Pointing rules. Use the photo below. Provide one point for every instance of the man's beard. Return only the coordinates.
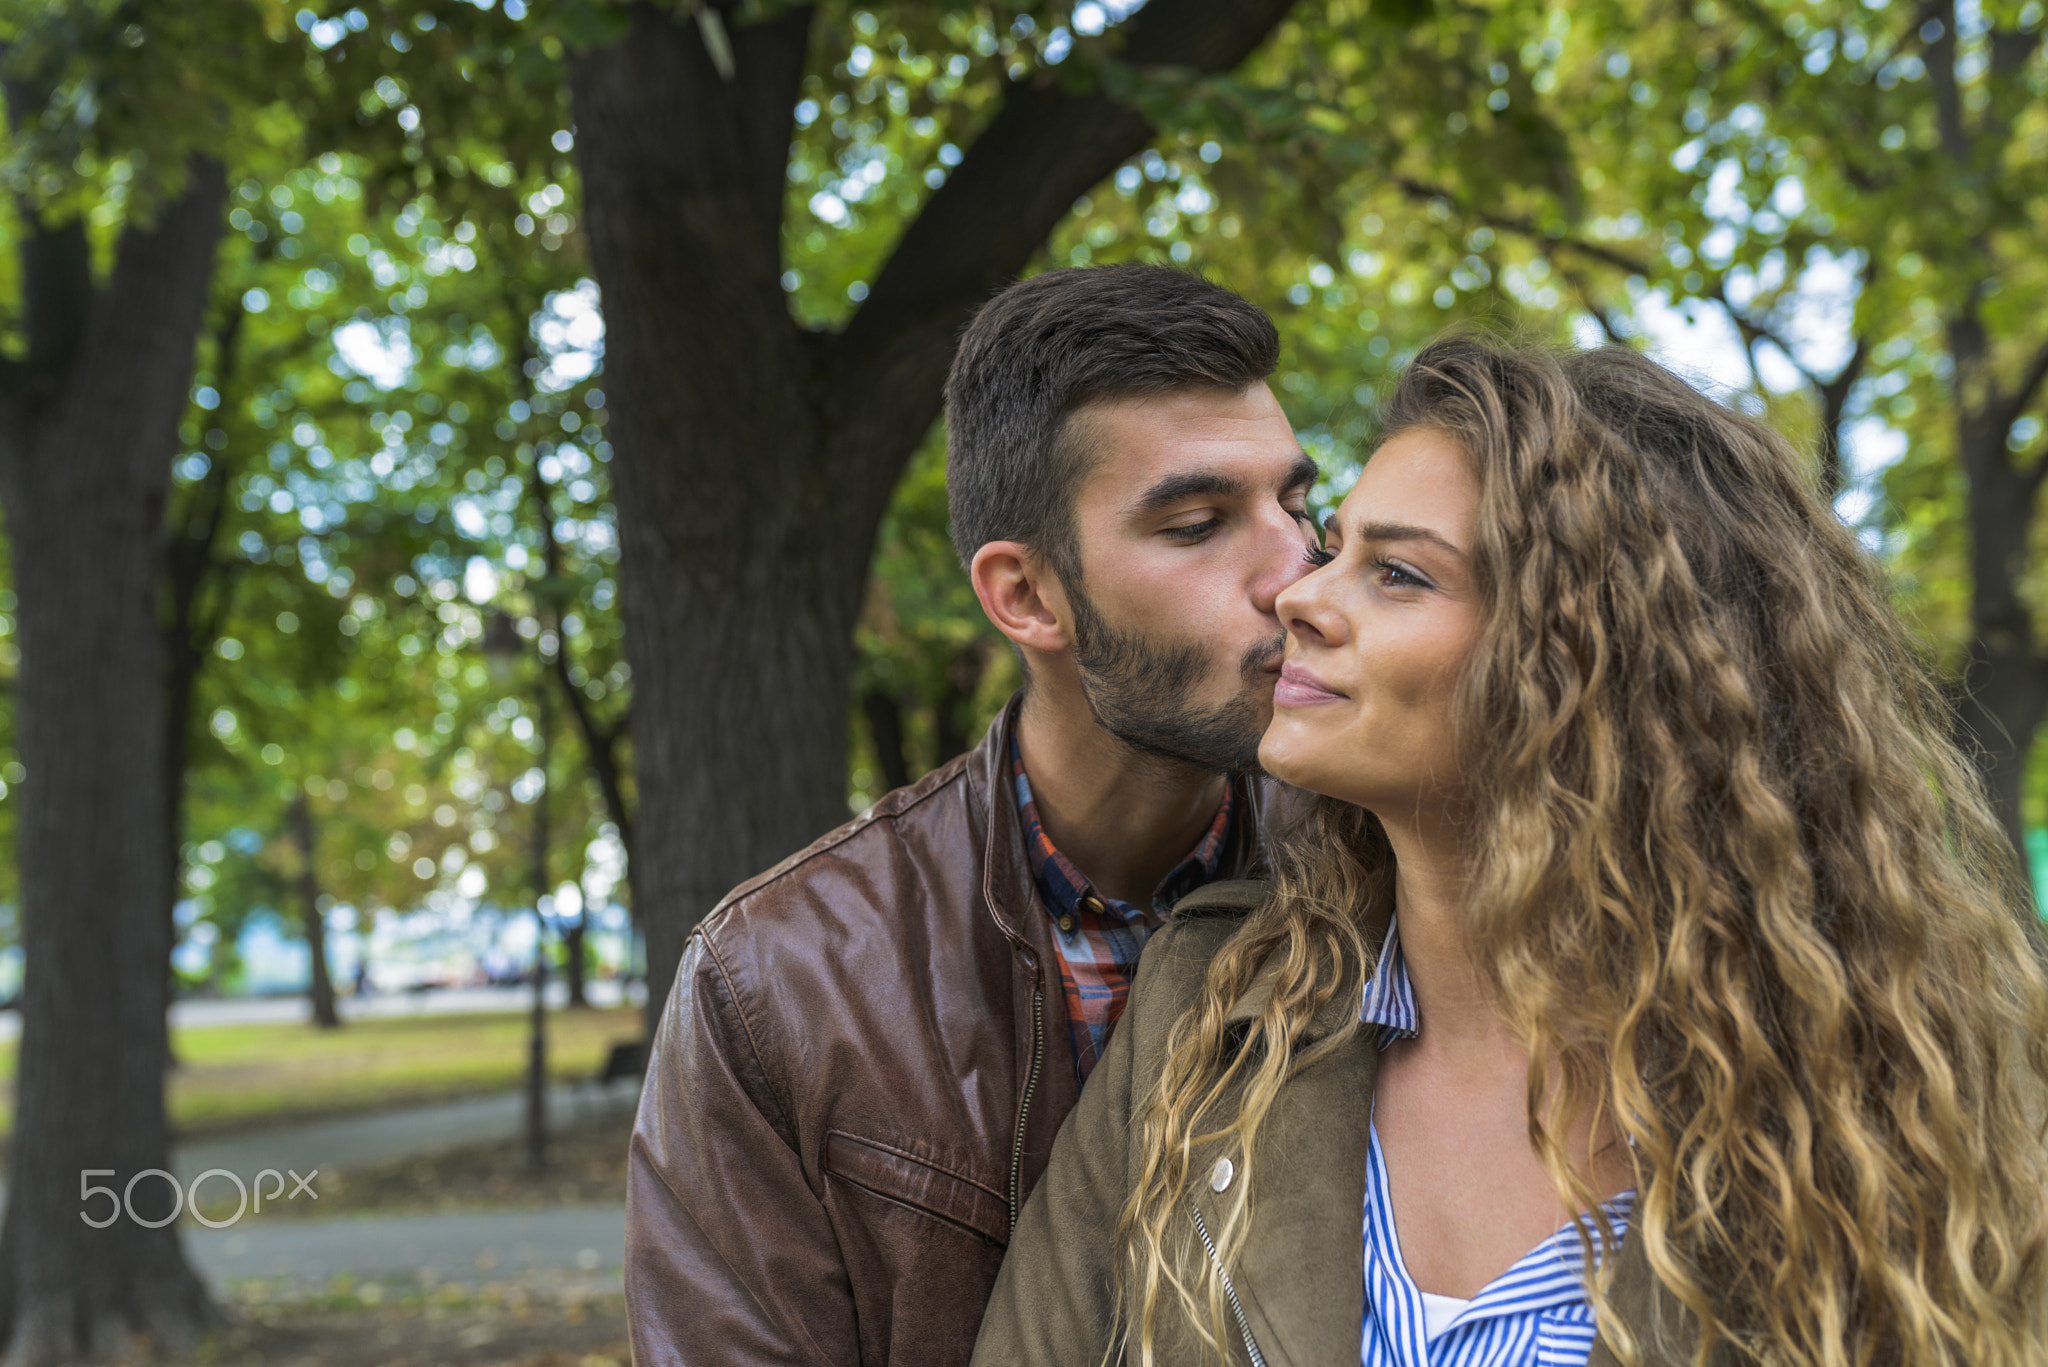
(1140, 690)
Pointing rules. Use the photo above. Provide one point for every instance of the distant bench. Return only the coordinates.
(625, 1062)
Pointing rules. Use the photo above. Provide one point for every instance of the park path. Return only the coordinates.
(584, 1244)
(562, 1246)
(380, 1137)
(558, 1245)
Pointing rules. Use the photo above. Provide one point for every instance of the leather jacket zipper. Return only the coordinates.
(1024, 1107)
(1244, 1327)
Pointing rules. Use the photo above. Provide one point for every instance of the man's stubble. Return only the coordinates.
(1140, 690)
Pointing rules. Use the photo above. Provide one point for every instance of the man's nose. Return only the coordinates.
(1284, 561)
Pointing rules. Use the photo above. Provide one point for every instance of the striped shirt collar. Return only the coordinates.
(1536, 1311)
(1389, 1001)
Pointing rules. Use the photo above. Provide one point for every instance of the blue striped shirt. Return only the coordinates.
(1535, 1313)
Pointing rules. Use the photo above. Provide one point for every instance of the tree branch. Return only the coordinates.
(192, 530)
(1941, 76)
(1584, 290)
(600, 742)
(1834, 404)
(1043, 149)
(2022, 396)
(2016, 404)
(1831, 391)
(1423, 192)
(57, 293)
(2011, 49)
(2035, 475)
(152, 305)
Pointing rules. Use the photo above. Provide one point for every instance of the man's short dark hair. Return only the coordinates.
(1046, 346)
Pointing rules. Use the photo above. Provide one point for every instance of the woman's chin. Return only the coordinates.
(1287, 756)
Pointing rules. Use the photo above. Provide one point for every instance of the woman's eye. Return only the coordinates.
(1317, 556)
(1396, 575)
(1194, 531)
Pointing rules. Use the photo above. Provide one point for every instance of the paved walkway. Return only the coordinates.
(383, 1136)
(585, 1242)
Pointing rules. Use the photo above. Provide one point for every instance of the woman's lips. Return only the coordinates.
(1299, 688)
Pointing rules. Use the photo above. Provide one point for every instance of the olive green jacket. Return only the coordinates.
(1297, 1288)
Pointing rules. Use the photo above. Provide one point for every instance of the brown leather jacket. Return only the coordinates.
(854, 1086)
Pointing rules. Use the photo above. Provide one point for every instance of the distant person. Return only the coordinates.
(1649, 983)
(869, 1048)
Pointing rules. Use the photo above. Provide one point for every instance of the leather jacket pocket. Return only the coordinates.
(896, 1175)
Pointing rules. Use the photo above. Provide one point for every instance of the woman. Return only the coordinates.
(1647, 907)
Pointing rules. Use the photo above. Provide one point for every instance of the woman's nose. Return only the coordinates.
(1305, 611)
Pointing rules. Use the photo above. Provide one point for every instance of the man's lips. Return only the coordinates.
(1299, 688)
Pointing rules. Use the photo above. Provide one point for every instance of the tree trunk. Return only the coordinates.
(963, 680)
(602, 744)
(320, 986)
(575, 972)
(190, 535)
(537, 1039)
(754, 459)
(88, 428)
(884, 713)
(2005, 681)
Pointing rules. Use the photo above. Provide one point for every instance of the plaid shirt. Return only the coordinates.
(1099, 937)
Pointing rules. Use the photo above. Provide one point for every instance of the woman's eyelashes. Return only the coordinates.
(1396, 575)
(1391, 573)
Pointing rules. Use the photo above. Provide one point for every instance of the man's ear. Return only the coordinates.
(1021, 595)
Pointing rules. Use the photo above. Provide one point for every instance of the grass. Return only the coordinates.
(358, 1321)
(239, 1077)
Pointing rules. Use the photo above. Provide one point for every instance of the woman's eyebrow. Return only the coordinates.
(1401, 531)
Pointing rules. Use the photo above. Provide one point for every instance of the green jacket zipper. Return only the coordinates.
(1244, 1327)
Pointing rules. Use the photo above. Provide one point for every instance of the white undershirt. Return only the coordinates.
(1438, 1312)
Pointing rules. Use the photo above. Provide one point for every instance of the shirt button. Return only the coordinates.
(1066, 925)
(1220, 1175)
(1094, 904)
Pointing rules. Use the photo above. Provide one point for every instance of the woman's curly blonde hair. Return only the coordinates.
(1736, 886)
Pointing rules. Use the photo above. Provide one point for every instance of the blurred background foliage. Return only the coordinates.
(390, 539)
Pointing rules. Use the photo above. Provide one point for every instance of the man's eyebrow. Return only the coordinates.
(1210, 484)
(1192, 484)
(1393, 531)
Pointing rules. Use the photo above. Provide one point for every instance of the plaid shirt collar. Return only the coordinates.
(1065, 888)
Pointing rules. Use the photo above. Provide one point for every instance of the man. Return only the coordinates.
(869, 1048)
